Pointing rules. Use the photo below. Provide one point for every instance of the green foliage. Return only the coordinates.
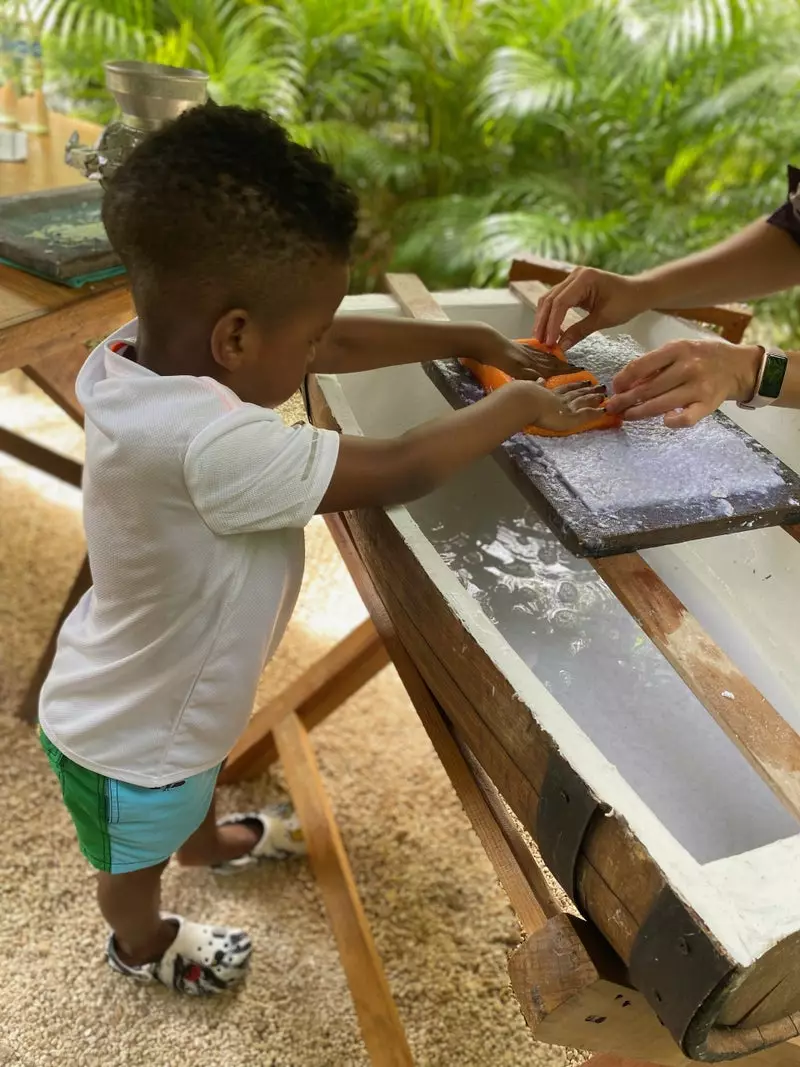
(616, 132)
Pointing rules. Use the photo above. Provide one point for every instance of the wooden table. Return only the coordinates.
(47, 330)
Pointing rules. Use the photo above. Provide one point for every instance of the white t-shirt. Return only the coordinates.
(194, 504)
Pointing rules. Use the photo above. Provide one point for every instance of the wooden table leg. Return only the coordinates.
(377, 1013)
(29, 709)
(43, 459)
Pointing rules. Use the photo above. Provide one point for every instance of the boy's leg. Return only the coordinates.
(211, 844)
(130, 904)
(239, 841)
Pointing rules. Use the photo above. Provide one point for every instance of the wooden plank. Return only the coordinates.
(619, 860)
(731, 319)
(321, 689)
(527, 862)
(24, 296)
(377, 1013)
(414, 298)
(764, 738)
(66, 329)
(56, 375)
(522, 880)
(568, 1000)
(62, 467)
(767, 741)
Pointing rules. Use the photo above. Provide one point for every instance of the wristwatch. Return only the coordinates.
(770, 379)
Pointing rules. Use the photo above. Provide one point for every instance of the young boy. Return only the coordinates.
(236, 242)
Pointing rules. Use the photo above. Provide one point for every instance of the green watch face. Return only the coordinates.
(772, 380)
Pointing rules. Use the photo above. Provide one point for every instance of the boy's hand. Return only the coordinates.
(519, 361)
(564, 408)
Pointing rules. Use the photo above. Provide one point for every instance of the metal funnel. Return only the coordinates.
(150, 94)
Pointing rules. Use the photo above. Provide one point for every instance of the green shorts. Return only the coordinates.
(123, 827)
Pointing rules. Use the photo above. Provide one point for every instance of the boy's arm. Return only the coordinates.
(357, 343)
(373, 472)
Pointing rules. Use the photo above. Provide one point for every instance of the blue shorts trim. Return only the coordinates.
(147, 826)
(123, 827)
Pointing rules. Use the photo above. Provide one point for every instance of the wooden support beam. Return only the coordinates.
(377, 1013)
(414, 298)
(764, 738)
(569, 1000)
(321, 689)
(520, 850)
(56, 375)
(62, 467)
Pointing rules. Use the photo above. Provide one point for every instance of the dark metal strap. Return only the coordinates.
(566, 807)
(676, 964)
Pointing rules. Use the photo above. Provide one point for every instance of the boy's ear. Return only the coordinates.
(231, 338)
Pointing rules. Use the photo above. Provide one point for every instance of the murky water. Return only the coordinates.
(579, 641)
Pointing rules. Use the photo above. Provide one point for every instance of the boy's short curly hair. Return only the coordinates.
(222, 198)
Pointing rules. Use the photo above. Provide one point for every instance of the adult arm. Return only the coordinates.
(763, 258)
(760, 260)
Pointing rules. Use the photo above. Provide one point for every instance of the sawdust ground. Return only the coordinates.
(442, 926)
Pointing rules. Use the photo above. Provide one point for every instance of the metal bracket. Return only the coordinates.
(676, 964)
(566, 807)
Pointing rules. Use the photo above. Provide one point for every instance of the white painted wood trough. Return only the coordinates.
(637, 713)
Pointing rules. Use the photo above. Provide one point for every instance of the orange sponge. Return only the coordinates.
(491, 378)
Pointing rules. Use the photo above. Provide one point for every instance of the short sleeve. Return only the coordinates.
(786, 218)
(248, 472)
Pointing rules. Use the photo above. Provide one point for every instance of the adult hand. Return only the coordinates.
(685, 380)
(608, 298)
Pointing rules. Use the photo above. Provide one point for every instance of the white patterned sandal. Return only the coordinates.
(201, 961)
(281, 837)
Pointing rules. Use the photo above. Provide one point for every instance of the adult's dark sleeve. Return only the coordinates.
(787, 217)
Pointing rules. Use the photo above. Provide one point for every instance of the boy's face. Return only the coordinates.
(266, 365)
